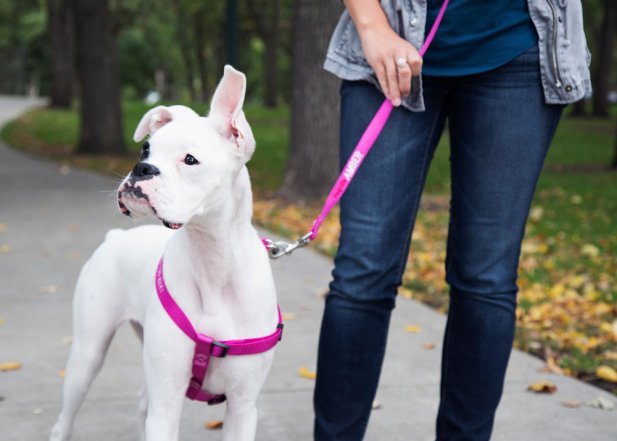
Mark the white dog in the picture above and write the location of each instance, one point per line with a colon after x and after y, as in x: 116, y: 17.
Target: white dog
x: 191, y: 176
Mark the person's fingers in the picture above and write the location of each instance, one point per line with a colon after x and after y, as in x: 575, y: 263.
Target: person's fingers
x: 404, y: 77
x: 394, y: 93
x: 380, y: 72
x: 415, y: 62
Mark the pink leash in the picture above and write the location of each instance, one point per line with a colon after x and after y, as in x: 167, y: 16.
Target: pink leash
x: 280, y: 248
x: 206, y: 347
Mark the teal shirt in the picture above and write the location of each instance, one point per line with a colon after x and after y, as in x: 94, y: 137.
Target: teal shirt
x: 477, y: 36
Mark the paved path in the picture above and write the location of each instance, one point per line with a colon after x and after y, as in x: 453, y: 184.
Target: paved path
x: 54, y: 217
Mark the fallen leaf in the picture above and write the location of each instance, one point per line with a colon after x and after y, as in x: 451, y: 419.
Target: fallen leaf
x: 576, y: 199
x: 305, y: 373
x: 73, y: 228
x: 428, y: 345
x: 607, y: 373
x: 536, y: 213
x: 376, y: 405
x: 2, y: 228
x: 602, y: 403
x: 571, y: 404
x: 542, y: 387
x: 5, y: 249
x: 62, y: 373
x: 413, y: 328
x: 10, y: 366
x: 49, y: 289
x: 213, y: 425
x: 1, y: 321
x: 67, y: 340
x: 590, y: 250
x: 551, y: 366
x: 64, y: 170
x: 288, y: 316
x: 323, y: 293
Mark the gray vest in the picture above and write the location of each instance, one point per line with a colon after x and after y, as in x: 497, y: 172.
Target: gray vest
x: 564, y: 56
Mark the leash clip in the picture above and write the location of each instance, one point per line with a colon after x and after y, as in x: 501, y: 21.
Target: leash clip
x: 281, y: 248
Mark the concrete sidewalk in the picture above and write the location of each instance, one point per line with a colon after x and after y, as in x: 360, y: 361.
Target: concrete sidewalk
x: 53, y: 219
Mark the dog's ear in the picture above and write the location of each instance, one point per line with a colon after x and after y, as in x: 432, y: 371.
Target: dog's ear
x: 226, y: 112
x: 157, y: 117
x: 153, y: 120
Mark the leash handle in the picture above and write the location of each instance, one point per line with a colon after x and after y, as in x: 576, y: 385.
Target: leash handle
x: 367, y: 140
x: 278, y: 249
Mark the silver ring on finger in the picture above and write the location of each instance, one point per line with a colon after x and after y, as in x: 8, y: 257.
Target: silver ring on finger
x: 401, y: 62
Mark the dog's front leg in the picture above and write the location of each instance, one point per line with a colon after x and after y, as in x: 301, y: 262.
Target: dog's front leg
x: 167, y: 365
x: 240, y: 421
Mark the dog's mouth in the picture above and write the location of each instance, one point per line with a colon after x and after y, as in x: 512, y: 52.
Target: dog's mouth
x: 171, y: 225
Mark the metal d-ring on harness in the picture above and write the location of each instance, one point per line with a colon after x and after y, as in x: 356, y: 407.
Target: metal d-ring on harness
x: 280, y: 248
x: 277, y: 249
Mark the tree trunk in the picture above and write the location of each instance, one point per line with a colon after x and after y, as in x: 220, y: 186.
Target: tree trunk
x: 578, y: 109
x: 271, y: 40
x: 97, y: 68
x: 313, y: 157
x: 267, y: 18
x: 185, y: 46
x: 605, y: 59
x: 62, y: 68
x: 199, y: 21
x: 614, y: 164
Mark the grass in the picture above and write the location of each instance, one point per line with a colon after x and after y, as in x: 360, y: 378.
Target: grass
x: 568, y: 272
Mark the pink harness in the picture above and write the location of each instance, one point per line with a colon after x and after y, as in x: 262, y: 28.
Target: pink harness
x: 206, y: 347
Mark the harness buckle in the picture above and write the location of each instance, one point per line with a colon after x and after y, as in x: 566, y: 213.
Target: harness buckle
x: 281, y: 327
x: 223, y: 346
x: 217, y: 400
x: 280, y: 248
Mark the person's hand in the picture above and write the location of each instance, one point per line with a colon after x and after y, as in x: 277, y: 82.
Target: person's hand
x: 393, y: 59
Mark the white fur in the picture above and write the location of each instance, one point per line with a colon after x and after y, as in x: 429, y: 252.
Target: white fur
x: 216, y: 268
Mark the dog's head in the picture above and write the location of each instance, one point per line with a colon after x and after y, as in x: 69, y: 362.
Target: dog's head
x: 187, y: 159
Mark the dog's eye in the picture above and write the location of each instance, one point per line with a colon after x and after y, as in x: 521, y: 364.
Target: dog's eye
x: 145, y: 151
x: 190, y: 160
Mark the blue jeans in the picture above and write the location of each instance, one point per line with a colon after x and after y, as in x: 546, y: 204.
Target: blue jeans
x: 500, y: 131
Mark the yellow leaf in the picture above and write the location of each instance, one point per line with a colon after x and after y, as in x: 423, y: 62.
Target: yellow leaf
x: 405, y: 293
x: 62, y: 373
x: 607, y: 373
x: 536, y: 213
x: 213, y: 425
x: 551, y: 366
x: 576, y: 199
x: 572, y: 404
x: 413, y: 328
x: 305, y: 373
x: 5, y: 249
x: 428, y: 345
x: 590, y: 250
x: 288, y: 316
x: 10, y: 366
x: 542, y: 387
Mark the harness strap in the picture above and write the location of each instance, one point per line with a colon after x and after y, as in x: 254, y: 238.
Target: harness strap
x: 206, y: 347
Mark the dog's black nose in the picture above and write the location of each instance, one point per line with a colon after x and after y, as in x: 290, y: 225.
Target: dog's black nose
x: 143, y: 169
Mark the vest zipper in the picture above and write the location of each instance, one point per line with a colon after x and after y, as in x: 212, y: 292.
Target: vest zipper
x: 555, y: 29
